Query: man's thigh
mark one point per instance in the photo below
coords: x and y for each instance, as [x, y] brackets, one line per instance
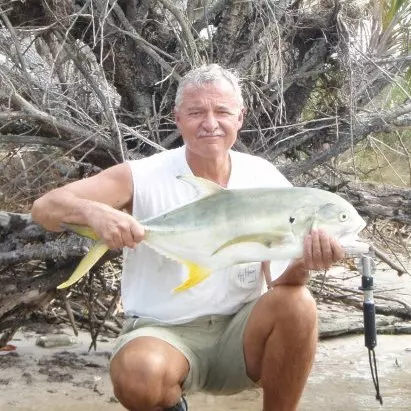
[192, 339]
[227, 373]
[212, 345]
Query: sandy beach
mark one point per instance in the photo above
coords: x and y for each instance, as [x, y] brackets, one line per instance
[71, 378]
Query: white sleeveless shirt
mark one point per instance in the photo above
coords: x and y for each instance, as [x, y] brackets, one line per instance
[148, 278]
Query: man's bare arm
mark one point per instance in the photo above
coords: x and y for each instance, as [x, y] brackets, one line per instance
[97, 202]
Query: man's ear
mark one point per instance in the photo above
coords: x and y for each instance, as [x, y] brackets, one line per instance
[176, 115]
[242, 115]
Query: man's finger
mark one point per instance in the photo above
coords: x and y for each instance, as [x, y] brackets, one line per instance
[137, 232]
[308, 252]
[317, 256]
[326, 250]
[337, 249]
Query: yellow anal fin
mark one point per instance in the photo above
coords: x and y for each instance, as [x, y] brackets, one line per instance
[268, 240]
[85, 264]
[196, 274]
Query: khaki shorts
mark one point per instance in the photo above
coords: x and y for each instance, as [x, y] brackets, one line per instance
[213, 346]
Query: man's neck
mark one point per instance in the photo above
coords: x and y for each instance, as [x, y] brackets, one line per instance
[217, 169]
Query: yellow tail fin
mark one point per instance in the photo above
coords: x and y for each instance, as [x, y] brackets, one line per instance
[85, 264]
[196, 274]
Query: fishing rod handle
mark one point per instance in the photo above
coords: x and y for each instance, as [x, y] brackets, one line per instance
[370, 330]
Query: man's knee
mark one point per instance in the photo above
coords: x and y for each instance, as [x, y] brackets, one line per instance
[147, 373]
[295, 305]
[138, 378]
[283, 320]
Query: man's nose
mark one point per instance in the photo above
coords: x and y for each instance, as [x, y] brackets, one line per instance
[210, 122]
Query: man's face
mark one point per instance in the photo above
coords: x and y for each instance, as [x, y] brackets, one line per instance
[209, 118]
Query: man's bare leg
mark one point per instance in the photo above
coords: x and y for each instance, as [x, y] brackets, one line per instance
[147, 374]
[280, 342]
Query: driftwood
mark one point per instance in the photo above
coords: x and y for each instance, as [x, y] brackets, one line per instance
[33, 263]
[385, 305]
[384, 202]
[392, 313]
[389, 261]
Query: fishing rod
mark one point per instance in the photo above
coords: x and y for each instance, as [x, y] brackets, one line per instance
[367, 269]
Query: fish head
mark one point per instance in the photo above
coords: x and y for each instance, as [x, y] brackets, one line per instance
[338, 219]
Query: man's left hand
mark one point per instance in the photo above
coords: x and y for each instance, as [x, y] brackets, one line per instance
[321, 251]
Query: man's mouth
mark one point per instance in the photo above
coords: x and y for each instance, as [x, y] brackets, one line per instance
[210, 136]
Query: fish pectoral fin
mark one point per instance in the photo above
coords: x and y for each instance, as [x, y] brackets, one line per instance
[82, 230]
[268, 240]
[85, 264]
[196, 274]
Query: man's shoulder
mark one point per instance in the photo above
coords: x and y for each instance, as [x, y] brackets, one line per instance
[161, 160]
[252, 159]
[260, 170]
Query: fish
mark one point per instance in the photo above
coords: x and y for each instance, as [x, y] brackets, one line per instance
[223, 227]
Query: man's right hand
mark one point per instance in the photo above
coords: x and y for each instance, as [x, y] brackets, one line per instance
[116, 228]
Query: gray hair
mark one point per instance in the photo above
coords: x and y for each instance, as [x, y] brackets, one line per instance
[210, 73]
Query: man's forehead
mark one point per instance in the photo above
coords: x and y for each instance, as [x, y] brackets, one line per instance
[197, 94]
[220, 83]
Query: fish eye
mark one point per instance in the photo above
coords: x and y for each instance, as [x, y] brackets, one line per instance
[343, 216]
[291, 219]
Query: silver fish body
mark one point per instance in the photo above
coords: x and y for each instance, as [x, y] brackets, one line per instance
[227, 227]
[249, 225]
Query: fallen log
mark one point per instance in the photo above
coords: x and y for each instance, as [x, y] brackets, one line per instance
[380, 202]
[33, 262]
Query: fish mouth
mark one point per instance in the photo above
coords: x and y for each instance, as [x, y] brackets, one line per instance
[356, 247]
[353, 244]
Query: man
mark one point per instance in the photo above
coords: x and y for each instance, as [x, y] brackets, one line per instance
[225, 334]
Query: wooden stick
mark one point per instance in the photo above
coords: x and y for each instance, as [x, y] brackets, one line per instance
[383, 257]
[69, 311]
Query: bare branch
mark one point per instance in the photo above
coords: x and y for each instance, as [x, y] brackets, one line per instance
[143, 44]
[365, 124]
[150, 50]
[209, 14]
[22, 140]
[188, 37]
[19, 53]
[390, 60]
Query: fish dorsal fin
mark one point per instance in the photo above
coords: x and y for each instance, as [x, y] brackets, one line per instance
[202, 186]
